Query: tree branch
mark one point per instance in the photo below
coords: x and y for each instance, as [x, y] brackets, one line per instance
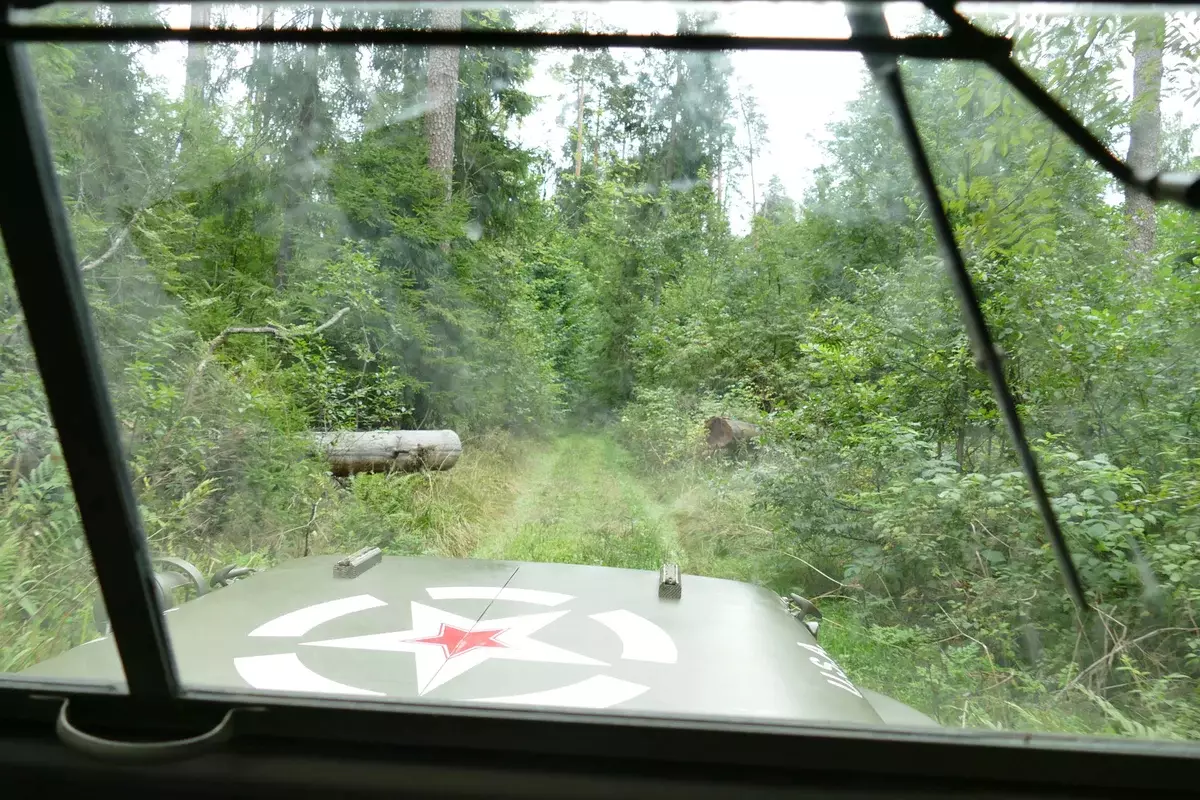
[966, 635]
[269, 330]
[332, 320]
[824, 575]
[790, 555]
[224, 335]
[837, 535]
[116, 243]
[1108, 657]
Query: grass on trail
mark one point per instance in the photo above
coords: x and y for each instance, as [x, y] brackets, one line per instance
[580, 503]
[574, 499]
[582, 499]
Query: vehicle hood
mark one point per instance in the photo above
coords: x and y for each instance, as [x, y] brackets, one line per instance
[501, 633]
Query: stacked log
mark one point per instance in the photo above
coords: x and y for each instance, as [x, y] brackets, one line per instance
[351, 452]
[724, 432]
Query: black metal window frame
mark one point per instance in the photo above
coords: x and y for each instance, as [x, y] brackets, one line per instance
[33, 222]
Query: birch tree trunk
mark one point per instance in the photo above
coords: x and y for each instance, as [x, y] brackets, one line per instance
[351, 452]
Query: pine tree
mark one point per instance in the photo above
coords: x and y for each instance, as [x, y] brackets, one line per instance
[442, 98]
[1145, 126]
[196, 78]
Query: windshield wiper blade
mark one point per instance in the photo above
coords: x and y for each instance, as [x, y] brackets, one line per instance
[870, 21]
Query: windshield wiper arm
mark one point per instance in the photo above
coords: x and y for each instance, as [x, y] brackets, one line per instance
[870, 21]
[1179, 187]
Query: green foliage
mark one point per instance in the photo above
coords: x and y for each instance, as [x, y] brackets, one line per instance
[667, 426]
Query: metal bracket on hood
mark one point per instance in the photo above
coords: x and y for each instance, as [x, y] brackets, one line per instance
[169, 581]
[357, 564]
[670, 582]
[805, 608]
[165, 583]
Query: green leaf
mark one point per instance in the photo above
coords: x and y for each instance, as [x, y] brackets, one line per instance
[28, 606]
[988, 150]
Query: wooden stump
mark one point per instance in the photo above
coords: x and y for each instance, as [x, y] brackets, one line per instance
[351, 452]
[726, 431]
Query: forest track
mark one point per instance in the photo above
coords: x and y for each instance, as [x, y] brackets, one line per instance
[581, 502]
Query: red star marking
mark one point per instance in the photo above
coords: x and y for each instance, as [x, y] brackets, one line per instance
[456, 641]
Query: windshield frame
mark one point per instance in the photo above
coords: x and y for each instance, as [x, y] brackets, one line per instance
[64, 340]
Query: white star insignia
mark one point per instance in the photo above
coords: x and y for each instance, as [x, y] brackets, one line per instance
[446, 645]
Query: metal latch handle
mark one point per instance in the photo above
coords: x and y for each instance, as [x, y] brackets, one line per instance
[141, 752]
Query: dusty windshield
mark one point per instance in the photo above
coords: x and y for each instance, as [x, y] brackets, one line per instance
[536, 323]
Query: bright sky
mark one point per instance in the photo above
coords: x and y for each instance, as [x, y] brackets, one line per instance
[798, 94]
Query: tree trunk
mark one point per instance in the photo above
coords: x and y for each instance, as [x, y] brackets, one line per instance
[196, 71]
[1145, 125]
[264, 67]
[676, 92]
[298, 186]
[579, 131]
[579, 110]
[753, 188]
[750, 153]
[725, 431]
[284, 256]
[721, 181]
[442, 98]
[351, 452]
[596, 143]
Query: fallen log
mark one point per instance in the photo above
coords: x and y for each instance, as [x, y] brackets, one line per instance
[725, 431]
[351, 452]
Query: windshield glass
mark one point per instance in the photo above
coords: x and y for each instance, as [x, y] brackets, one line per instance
[536, 323]
[48, 596]
[820, 19]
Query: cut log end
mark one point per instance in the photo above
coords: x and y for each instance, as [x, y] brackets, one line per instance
[352, 452]
[725, 431]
